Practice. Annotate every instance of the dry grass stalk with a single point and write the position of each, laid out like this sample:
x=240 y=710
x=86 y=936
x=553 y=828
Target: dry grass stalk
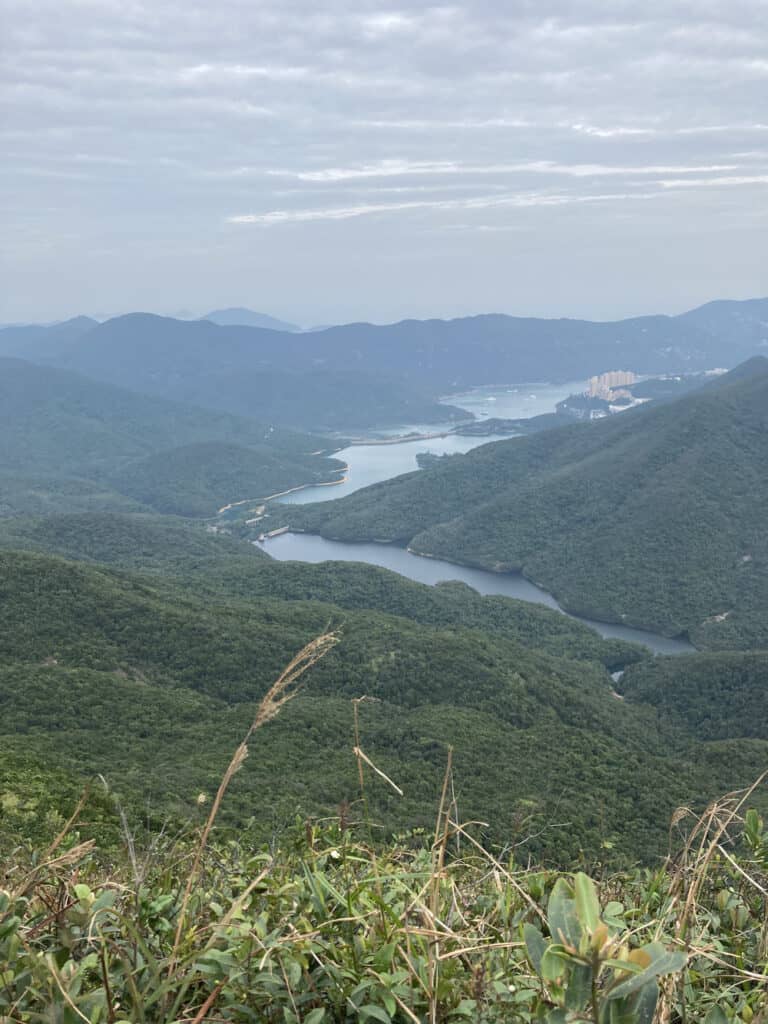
x=51 y=963
x=63 y=860
x=461 y=830
x=688 y=878
x=362 y=756
x=281 y=690
x=276 y=697
x=75 y=853
x=442 y=825
x=711 y=829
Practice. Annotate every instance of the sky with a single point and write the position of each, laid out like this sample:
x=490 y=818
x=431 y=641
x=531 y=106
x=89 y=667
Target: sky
x=336 y=160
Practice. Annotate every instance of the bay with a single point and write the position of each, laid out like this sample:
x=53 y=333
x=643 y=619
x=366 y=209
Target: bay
x=515 y=403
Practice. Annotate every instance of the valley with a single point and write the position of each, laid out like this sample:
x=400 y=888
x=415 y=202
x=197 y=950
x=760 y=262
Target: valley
x=135 y=601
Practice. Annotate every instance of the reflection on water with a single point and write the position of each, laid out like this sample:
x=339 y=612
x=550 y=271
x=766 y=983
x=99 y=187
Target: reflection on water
x=305 y=547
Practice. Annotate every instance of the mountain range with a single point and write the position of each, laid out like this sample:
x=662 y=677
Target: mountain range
x=359 y=376
x=239 y=316
x=135 y=643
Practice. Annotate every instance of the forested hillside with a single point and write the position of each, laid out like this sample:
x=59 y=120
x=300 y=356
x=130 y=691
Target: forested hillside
x=70 y=443
x=217 y=564
x=654 y=517
x=105 y=672
x=144 y=541
x=720 y=696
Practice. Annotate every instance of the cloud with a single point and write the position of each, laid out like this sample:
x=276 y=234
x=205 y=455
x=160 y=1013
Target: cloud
x=729 y=182
x=404 y=168
x=521 y=201
x=138 y=126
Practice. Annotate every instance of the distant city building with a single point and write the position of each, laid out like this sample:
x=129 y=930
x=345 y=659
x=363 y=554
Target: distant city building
x=602 y=385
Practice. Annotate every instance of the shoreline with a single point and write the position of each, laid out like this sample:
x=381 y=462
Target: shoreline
x=291 y=490
x=590 y=623
x=586 y=619
x=359 y=442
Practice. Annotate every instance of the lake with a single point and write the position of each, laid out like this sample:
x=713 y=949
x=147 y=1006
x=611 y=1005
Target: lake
x=370 y=463
x=374 y=462
x=305 y=547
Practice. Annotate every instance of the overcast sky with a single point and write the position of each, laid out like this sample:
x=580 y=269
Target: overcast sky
x=331 y=160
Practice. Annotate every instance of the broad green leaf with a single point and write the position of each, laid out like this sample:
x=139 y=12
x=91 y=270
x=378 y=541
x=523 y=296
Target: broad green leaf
x=390 y=1005
x=578 y=987
x=466 y=1008
x=618 y=1012
x=587 y=903
x=716 y=1016
x=623 y=965
x=293 y=972
x=555 y=962
x=644 y=1003
x=8 y=926
x=561 y=915
x=376 y=1012
x=556 y=1017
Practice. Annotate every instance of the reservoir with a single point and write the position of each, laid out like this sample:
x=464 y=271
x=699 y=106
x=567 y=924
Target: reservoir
x=305 y=547
x=382 y=459
x=376 y=461
x=370 y=463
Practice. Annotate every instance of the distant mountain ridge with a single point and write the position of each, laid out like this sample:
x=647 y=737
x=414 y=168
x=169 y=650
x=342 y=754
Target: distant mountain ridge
x=399 y=369
x=238 y=316
x=270 y=375
x=43 y=342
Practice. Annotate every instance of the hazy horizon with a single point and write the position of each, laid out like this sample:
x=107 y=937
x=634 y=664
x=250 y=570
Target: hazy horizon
x=376 y=161
x=184 y=314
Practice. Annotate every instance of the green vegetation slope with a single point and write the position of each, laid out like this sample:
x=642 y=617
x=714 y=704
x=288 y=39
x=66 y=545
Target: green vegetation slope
x=149 y=684
x=720 y=696
x=224 y=567
x=74 y=444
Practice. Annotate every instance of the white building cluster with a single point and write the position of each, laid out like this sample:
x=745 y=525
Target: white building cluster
x=603 y=385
